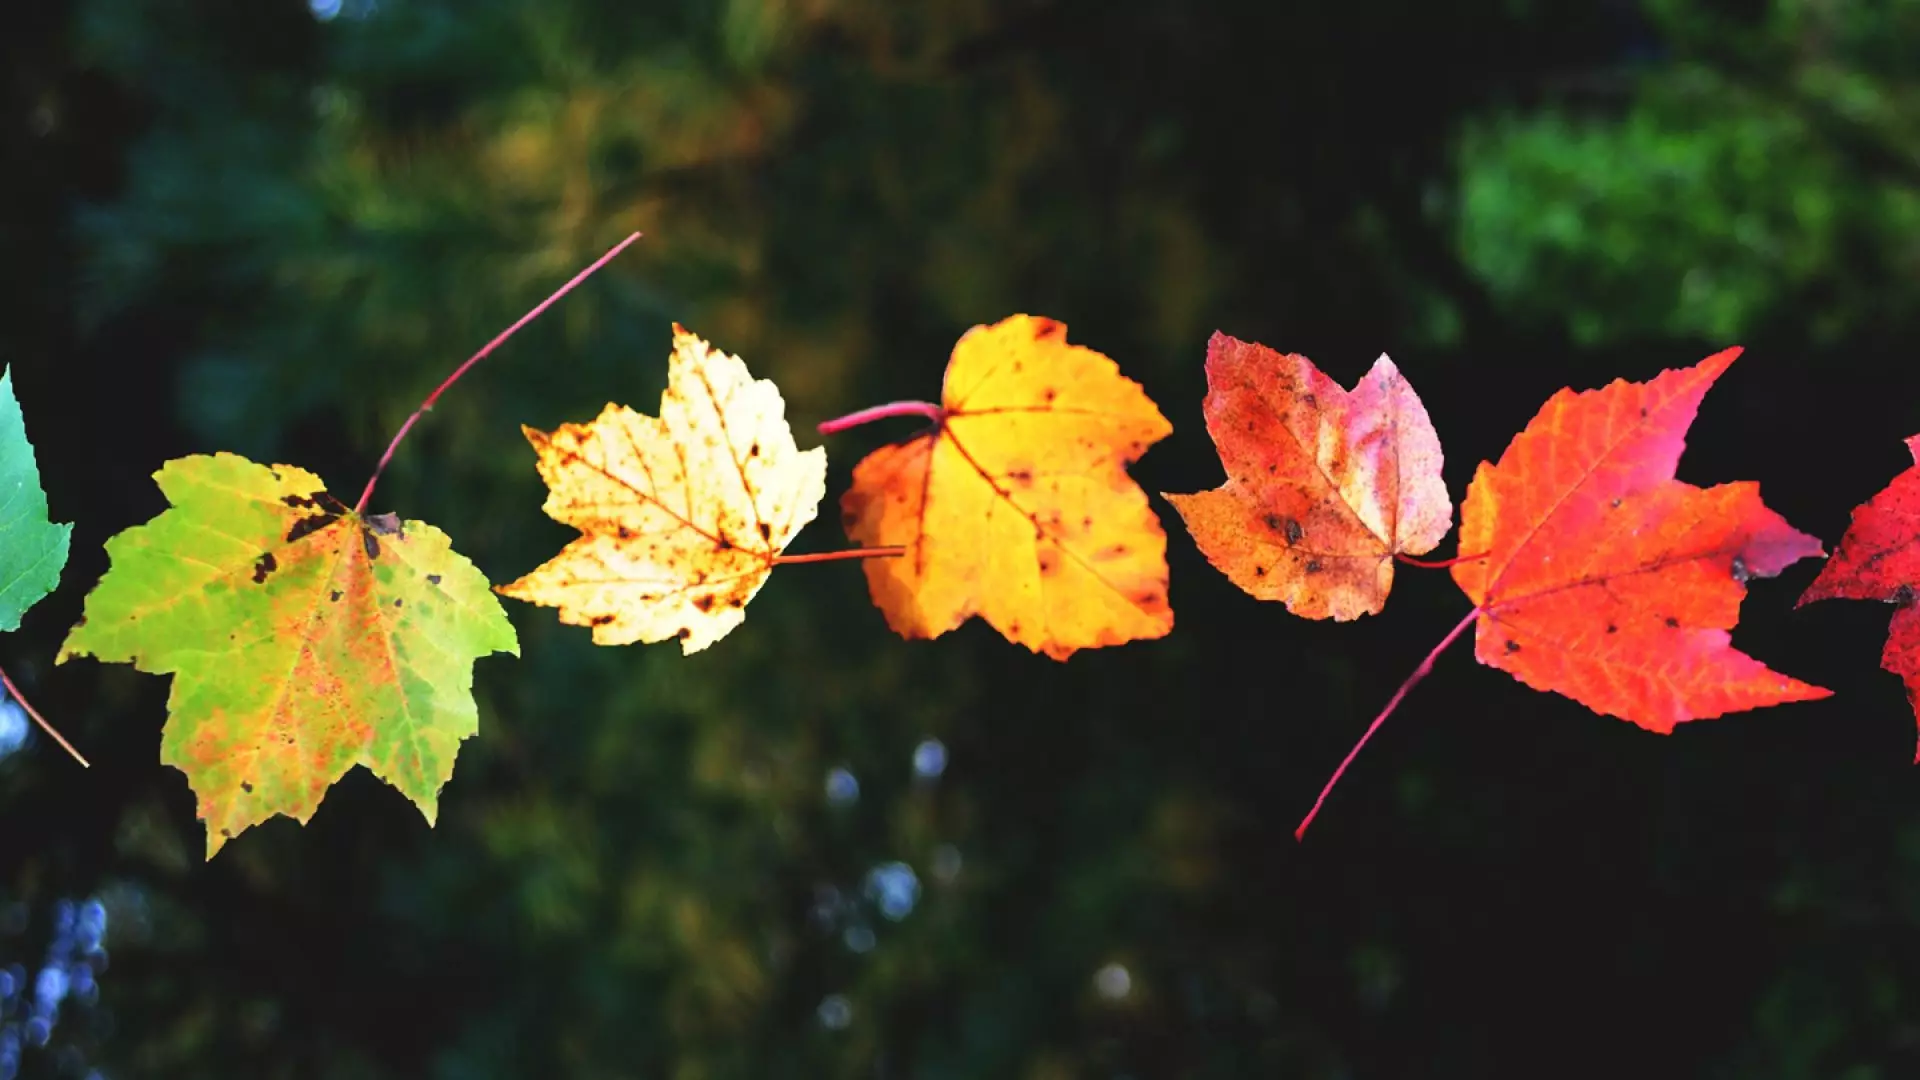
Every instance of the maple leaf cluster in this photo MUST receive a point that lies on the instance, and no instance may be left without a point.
(306, 637)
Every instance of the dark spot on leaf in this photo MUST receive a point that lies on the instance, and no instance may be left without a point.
(1612, 629)
(703, 602)
(1294, 532)
(433, 579)
(1673, 623)
(1048, 394)
(1013, 631)
(626, 533)
(1512, 646)
(1616, 504)
(1313, 566)
(311, 524)
(1312, 402)
(299, 500)
(1740, 571)
(1044, 328)
(263, 566)
(1903, 596)
(396, 601)
(1020, 476)
(368, 541)
(601, 620)
(1259, 571)
(766, 532)
(1643, 412)
(723, 544)
(684, 633)
(228, 833)
(246, 786)
(754, 450)
(336, 595)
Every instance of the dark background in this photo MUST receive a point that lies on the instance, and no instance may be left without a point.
(272, 228)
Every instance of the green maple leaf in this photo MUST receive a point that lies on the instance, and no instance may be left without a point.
(33, 550)
(303, 638)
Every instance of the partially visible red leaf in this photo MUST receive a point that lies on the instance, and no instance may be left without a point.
(1879, 559)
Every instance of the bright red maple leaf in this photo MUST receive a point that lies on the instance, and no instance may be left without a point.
(1879, 559)
(1607, 580)
(1597, 575)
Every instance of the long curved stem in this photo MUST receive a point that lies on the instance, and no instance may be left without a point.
(836, 556)
(14, 692)
(367, 493)
(1418, 674)
(881, 412)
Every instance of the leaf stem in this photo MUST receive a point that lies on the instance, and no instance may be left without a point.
(41, 720)
(1438, 564)
(881, 412)
(361, 506)
(836, 556)
(1418, 674)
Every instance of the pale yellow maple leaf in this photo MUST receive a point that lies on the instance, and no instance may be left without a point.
(683, 515)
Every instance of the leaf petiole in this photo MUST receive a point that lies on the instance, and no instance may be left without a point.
(881, 412)
(500, 339)
(1418, 674)
(14, 692)
(1438, 564)
(835, 556)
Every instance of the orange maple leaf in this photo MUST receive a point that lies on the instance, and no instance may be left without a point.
(683, 515)
(1017, 506)
(1324, 487)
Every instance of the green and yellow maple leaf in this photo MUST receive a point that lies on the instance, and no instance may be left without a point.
(304, 639)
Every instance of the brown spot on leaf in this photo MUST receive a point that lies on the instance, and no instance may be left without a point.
(311, 524)
(601, 620)
(1512, 646)
(704, 602)
(336, 596)
(246, 786)
(433, 579)
(1313, 566)
(1673, 623)
(396, 601)
(263, 566)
